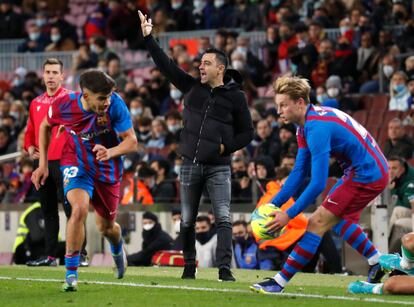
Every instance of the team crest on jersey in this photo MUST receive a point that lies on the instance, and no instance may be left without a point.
(102, 120)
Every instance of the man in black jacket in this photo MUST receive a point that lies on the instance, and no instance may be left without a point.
(155, 239)
(216, 123)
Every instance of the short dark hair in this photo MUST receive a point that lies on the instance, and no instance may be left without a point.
(220, 56)
(144, 121)
(100, 41)
(146, 172)
(240, 222)
(401, 160)
(53, 61)
(203, 218)
(174, 114)
(96, 81)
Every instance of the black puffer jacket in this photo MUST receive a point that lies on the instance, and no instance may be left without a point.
(212, 116)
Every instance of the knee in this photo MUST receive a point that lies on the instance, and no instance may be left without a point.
(105, 229)
(79, 213)
(408, 241)
(317, 225)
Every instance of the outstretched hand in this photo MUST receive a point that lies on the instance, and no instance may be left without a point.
(281, 219)
(146, 25)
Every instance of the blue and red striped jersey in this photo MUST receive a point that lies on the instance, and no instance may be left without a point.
(86, 129)
(329, 132)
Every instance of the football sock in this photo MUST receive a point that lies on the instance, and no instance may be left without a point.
(377, 289)
(116, 249)
(72, 264)
(299, 257)
(407, 261)
(357, 238)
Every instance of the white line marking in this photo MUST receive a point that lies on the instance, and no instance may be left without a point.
(140, 285)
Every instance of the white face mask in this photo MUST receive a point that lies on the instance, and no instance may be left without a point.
(177, 169)
(333, 92)
(93, 48)
(55, 38)
(176, 5)
(344, 29)
(175, 94)
(177, 227)
(199, 4)
(174, 128)
(148, 226)
(136, 111)
(237, 64)
(242, 49)
(218, 3)
(34, 36)
(388, 70)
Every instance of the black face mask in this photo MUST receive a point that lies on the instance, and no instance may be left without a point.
(325, 55)
(145, 135)
(240, 174)
(240, 240)
(203, 237)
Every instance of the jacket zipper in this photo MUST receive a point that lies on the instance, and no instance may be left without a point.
(201, 129)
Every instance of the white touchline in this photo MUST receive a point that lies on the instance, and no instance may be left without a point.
(140, 285)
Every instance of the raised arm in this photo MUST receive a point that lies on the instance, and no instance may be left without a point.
(129, 144)
(175, 74)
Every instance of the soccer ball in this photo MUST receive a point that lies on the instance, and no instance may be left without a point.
(260, 217)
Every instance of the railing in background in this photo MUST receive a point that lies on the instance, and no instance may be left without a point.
(10, 45)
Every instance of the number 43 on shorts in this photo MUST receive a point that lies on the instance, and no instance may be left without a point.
(69, 172)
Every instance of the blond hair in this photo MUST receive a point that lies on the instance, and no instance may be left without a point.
(293, 86)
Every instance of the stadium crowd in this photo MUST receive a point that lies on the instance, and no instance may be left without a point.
(344, 73)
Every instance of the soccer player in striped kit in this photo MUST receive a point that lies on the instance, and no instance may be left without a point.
(100, 132)
(323, 132)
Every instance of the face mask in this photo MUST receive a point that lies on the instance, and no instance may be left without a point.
(240, 240)
(151, 184)
(177, 227)
(322, 98)
(218, 3)
(344, 30)
(93, 48)
(324, 55)
(399, 88)
(148, 227)
(55, 38)
(34, 36)
(177, 169)
(174, 128)
(145, 135)
(136, 111)
(242, 50)
(176, 5)
(127, 163)
(239, 65)
(40, 22)
(274, 2)
(240, 174)
(16, 115)
(388, 70)
(199, 5)
(203, 237)
(16, 82)
(333, 92)
(175, 94)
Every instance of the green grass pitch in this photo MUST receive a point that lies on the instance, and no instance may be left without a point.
(161, 286)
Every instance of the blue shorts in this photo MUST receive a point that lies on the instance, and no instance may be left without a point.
(104, 196)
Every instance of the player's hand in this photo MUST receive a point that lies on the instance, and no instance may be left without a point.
(33, 152)
(146, 25)
(102, 153)
(39, 176)
(281, 219)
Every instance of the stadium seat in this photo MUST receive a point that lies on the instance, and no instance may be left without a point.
(6, 258)
(380, 102)
(366, 102)
(390, 115)
(373, 130)
(375, 117)
(360, 116)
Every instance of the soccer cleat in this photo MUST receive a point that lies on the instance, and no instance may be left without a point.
(392, 262)
(226, 275)
(190, 271)
(361, 287)
(267, 287)
(71, 284)
(375, 273)
(121, 263)
(42, 262)
(84, 261)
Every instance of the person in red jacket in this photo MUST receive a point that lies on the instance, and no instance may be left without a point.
(51, 192)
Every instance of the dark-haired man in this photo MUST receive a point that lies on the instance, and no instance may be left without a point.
(96, 120)
(216, 123)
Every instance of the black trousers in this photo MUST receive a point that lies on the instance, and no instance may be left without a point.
(50, 194)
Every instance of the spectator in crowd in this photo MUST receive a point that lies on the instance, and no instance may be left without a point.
(288, 161)
(197, 14)
(325, 64)
(246, 252)
(206, 243)
(241, 184)
(389, 66)
(164, 189)
(95, 24)
(36, 41)
(181, 16)
(368, 59)
(123, 24)
(336, 97)
(220, 15)
(174, 101)
(138, 110)
(402, 191)
(143, 130)
(11, 23)
(176, 221)
(399, 92)
(84, 59)
(99, 49)
(146, 181)
(398, 143)
(254, 66)
(316, 33)
(268, 51)
(405, 41)
(7, 144)
(174, 123)
(288, 40)
(154, 239)
(18, 112)
(115, 71)
(59, 43)
(266, 144)
(160, 137)
(247, 15)
(161, 22)
(288, 144)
